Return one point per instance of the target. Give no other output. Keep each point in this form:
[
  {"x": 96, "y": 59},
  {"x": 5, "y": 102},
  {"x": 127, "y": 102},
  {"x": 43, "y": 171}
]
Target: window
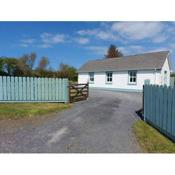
[
  {"x": 91, "y": 77},
  {"x": 132, "y": 77},
  {"x": 108, "y": 77}
]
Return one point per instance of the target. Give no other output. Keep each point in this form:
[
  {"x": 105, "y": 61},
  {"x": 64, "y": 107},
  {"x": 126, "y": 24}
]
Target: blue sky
[{"x": 75, "y": 43}]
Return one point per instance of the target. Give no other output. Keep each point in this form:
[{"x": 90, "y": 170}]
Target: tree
[
  {"x": 66, "y": 71},
  {"x": 1, "y": 66},
  {"x": 42, "y": 69},
  {"x": 31, "y": 60},
  {"x": 26, "y": 63},
  {"x": 113, "y": 52},
  {"x": 8, "y": 66},
  {"x": 24, "y": 66},
  {"x": 43, "y": 64}
]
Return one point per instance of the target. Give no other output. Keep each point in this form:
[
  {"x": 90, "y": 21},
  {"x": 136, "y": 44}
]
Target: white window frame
[
  {"x": 91, "y": 75},
  {"x": 131, "y": 76},
  {"x": 109, "y": 77}
]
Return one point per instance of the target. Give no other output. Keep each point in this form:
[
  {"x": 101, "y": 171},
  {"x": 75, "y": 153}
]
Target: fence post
[
  {"x": 68, "y": 91},
  {"x": 143, "y": 103},
  {"x": 87, "y": 90}
]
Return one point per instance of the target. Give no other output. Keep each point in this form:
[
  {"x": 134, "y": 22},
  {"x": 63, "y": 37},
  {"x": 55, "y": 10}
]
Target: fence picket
[
  {"x": 35, "y": 89},
  {"x": 157, "y": 105},
  {"x": 16, "y": 89},
  {"x": 4, "y": 89},
  {"x": 28, "y": 88},
  {"x": 53, "y": 89},
  {"x": 12, "y": 88},
  {"x": 43, "y": 89},
  {"x": 46, "y": 89},
  {"x": 57, "y": 94},
  {"x": 20, "y": 89},
  {"x": 31, "y": 89},
  {"x": 169, "y": 106},
  {"x": 1, "y": 89},
  {"x": 50, "y": 89},
  {"x": 8, "y": 89},
  {"x": 59, "y": 86},
  {"x": 173, "y": 112}
]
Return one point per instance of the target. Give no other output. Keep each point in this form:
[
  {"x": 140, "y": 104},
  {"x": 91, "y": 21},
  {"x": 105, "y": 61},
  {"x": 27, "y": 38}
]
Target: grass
[
  {"x": 151, "y": 140},
  {"x": 21, "y": 110}
]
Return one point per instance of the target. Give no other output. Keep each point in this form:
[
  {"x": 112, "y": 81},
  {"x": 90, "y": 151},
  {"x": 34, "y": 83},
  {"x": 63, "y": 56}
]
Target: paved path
[{"x": 100, "y": 125}]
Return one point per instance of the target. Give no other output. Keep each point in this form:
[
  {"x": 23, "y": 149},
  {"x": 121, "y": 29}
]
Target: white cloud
[
  {"x": 126, "y": 50},
  {"x": 106, "y": 35},
  {"x": 140, "y": 30},
  {"x": 44, "y": 45},
  {"x": 172, "y": 45},
  {"x": 99, "y": 33},
  {"x": 159, "y": 39},
  {"x": 23, "y": 45},
  {"x": 52, "y": 38},
  {"x": 128, "y": 30},
  {"x": 158, "y": 49},
  {"x": 87, "y": 32},
  {"x": 82, "y": 40},
  {"x": 100, "y": 50},
  {"x": 26, "y": 42},
  {"x": 131, "y": 49}
]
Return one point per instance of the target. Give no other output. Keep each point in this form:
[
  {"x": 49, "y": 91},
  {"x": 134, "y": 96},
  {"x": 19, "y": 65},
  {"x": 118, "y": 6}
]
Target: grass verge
[
  {"x": 151, "y": 140},
  {"x": 21, "y": 110}
]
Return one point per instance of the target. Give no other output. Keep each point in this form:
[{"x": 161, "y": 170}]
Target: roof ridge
[{"x": 134, "y": 55}]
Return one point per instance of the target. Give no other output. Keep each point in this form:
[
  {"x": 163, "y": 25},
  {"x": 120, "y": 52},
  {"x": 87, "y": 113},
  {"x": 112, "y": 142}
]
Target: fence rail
[
  {"x": 159, "y": 108},
  {"x": 32, "y": 89}
]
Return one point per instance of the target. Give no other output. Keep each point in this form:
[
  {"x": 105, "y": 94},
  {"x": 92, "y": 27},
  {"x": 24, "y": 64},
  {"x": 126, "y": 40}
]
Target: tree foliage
[
  {"x": 25, "y": 66},
  {"x": 67, "y": 71},
  {"x": 113, "y": 52},
  {"x": 173, "y": 75},
  {"x": 43, "y": 64}
]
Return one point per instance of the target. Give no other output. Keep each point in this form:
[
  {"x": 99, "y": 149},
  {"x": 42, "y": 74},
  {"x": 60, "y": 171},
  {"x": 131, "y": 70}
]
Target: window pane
[
  {"x": 91, "y": 76},
  {"x": 109, "y": 76},
  {"x": 132, "y": 76}
]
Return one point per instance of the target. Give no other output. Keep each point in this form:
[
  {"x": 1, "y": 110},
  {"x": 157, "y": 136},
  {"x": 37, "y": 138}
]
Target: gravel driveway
[{"x": 102, "y": 124}]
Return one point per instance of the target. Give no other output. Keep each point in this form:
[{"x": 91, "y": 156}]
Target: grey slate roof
[{"x": 144, "y": 61}]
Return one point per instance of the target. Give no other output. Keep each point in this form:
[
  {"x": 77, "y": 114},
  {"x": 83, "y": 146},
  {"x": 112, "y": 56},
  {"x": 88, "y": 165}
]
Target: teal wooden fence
[
  {"x": 159, "y": 108},
  {"x": 31, "y": 89}
]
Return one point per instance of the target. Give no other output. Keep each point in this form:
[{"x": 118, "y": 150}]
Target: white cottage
[{"x": 128, "y": 73}]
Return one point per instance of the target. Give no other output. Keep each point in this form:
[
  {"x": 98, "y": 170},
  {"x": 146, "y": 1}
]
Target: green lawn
[
  {"x": 151, "y": 140},
  {"x": 20, "y": 110}
]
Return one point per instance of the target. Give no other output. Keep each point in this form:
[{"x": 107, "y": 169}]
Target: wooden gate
[{"x": 78, "y": 92}]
